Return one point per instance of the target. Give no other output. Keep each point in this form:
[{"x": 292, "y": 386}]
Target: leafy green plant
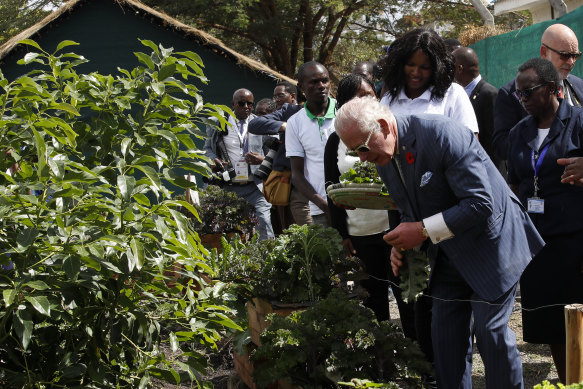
[
  {"x": 220, "y": 211},
  {"x": 89, "y": 223},
  {"x": 303, "y": 264},
  {"x": 333, "y": 341},
  {"x": 363, "y": 173},
  {"x": 548, "y": 385},
  {"x": 414, "y": 274}
]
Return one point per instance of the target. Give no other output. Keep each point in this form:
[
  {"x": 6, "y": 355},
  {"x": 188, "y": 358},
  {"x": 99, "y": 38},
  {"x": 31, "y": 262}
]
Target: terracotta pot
[
  {"x": 213, "y": 241},
  {"x": 259, "y": 308}
]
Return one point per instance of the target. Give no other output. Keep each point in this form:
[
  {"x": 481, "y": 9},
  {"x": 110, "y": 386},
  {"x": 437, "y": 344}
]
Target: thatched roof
[{"x": 195, "y": 34}]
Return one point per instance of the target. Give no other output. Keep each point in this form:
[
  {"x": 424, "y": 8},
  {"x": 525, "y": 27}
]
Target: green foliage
[
  {"x": 220, "y": 211},
  {"x": 303, "y": 264},
  {"x": 17, "y": 15},
  {"x": 363, "y": 173},
  {"x": 336, "y": 340},
  {"x": 88, "y": 219},
  {"x": 414, "y": 274},
  {"x": 548, "y": 385}
]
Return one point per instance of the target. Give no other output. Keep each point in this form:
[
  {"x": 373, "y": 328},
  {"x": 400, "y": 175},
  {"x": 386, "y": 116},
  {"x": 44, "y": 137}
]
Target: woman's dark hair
[
  {"x": 348, "y": 88},
  {"x": 426, "y": 40},
  {"x": 543, "y": 68}
]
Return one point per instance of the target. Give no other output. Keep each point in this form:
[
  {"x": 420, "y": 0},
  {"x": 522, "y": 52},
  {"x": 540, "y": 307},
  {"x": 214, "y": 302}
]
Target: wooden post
[{"x": 574, "y": 327}]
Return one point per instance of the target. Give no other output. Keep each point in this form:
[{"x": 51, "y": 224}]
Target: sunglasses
[
  {"x": 519, "y": 94},
  {"x": 363, "y": 148},
  {"x": 244, "y": 103},
  {"x": 565, "y": 55}
]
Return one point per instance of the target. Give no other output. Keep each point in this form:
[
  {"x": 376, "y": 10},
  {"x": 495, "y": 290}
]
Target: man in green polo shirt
[{"x": 306, "y": 134}]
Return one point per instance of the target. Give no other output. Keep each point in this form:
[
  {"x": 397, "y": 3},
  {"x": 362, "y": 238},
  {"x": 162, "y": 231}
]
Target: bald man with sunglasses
[{"x": 559, "y": 45}]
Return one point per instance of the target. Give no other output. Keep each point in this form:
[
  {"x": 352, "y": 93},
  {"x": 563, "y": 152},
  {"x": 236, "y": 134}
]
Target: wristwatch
[{"x": 424, "y": 230}]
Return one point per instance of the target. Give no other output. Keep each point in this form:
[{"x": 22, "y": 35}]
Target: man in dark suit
[
  {"x": 479, "y": 237},
  {"x": 559, "y": 45},
  {"x": 482, "y": 95}
]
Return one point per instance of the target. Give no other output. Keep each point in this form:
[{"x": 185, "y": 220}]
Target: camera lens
[{"x": 265, "y": 168}]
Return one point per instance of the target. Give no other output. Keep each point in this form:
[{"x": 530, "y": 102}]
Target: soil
[{"x": 537, "y": 363}]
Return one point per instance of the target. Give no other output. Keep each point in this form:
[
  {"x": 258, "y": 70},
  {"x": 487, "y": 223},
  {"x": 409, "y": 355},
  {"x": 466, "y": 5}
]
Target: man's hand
[
  {"x": 573, "y": 173},
  {"x": 406, "y": 236},
  {"x": 217, "y": 165},
  {"x": 396, "y": 261},
  {"x": 348, "y": 247},
  {"x": 253, "y": 158}
]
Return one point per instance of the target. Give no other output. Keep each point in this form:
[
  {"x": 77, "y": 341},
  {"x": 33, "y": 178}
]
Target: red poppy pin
[{"x": 410, "y": 158}]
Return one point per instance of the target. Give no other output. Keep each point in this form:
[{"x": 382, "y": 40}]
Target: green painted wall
[{"x": 108, "y": 35}]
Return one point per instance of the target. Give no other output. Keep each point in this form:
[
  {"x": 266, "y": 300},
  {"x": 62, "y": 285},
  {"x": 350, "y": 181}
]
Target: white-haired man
[{"x": 479, "y": 239}]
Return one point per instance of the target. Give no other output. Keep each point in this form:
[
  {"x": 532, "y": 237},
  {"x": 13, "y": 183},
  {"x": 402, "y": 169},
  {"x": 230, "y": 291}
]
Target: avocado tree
[{"x": 88, "y": 223}]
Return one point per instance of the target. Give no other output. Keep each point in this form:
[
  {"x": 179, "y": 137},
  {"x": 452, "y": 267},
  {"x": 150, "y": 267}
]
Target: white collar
[{"x": 424, "y": 96}]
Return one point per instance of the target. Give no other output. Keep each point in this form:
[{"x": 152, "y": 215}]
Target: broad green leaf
[
  {"x": 126, "y": 186},
  {"x": 65, "y": 43},
  {"x": 158, "y": 88},
  {"x": 41, "y": 154},
  {"x": 72, "y": 267},
  {"x": 142, "y": 199},
  {"x": 166, "y": 72},
  {"x": 152, "y": 175},
  {"x": 173, "y": 342},
  {"x": 146, "y": 60},
  {"x": 138, "y": 253},
  {"x": 90, "y": 262},
  {"x": 37, "y": 284},
  {"x": 23, "y": 326},
  {"x": 25, "y": 238},
  {"x": 125, "y": 144},
  {"x": 30, "y": 42},
  {"x": 66, "y": 107},
  {"x": 150, "y": 44},
  {"x": 40, "y": 303},
  {"x": 193, "y": 56},
  {"x": 9, "y": 295},
  {"x": 29, "y": 57}
]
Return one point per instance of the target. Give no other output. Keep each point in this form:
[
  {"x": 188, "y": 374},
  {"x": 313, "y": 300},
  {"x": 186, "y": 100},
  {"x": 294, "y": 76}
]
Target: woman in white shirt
[{"x": 418, "y": 78}]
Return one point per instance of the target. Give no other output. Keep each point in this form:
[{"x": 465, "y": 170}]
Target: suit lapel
[{"x": 407, "y": 160}]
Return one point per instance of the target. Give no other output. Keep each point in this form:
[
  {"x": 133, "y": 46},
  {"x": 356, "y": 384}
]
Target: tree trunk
[
  {"x": 559, "y": 6},
  {"x": 484, "y": 13}
]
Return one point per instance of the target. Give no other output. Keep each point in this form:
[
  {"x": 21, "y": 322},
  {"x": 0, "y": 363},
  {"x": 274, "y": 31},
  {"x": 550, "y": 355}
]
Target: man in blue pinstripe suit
[{"x": 479, "y": 237}]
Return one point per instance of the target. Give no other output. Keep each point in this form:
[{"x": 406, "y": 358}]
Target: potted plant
[
  {"x": 300, "y": 267},
  {"x": 335, "y": 340},
  {"x": 221, "y": 212}
]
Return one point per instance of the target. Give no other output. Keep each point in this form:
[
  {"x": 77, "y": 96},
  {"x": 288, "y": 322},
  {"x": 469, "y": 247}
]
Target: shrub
[
  {"x": 335, "y": 340},
  {"x": 88, "y": 220}
]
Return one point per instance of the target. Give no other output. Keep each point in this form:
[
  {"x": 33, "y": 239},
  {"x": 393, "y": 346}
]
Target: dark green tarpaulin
[{"x": 501, "y": 55}]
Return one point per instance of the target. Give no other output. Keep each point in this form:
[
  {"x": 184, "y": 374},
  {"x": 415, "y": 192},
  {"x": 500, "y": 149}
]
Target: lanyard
[
  {"x": 536, "y": 162},
  {"x": 242, "y": 137}
]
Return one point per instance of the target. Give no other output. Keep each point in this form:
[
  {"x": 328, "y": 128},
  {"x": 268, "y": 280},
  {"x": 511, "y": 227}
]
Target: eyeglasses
[
  {"x": 363, "y": 148},
  {"x": 519, "y": 94},
  {"x": 280, "y": 95},
  {"x": 565, "y": 55},
  {"x": 244, "y": 103}
]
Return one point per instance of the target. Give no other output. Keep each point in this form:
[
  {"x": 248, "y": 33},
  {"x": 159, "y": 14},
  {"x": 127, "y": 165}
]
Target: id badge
[
  {"x": 536, "y": 205},
  {"x": 241, "y": 171}
]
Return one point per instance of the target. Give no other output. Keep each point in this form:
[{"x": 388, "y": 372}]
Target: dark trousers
[
  {"x": 375, "y": 254},
  {"x": 454, "y": 304}
]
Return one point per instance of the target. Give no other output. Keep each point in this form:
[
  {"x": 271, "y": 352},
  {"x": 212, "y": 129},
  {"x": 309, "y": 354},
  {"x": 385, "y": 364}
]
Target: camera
[
  {"x": 266, "y": 166},
  {"x": 264, "y": 169}
]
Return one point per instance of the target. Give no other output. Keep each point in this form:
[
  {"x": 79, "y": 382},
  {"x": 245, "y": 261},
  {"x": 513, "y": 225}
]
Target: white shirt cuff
[{"x": 437, "y": 229}]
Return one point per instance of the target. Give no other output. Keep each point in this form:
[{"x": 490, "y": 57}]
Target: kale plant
[{"x": 336, "y": 340}]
